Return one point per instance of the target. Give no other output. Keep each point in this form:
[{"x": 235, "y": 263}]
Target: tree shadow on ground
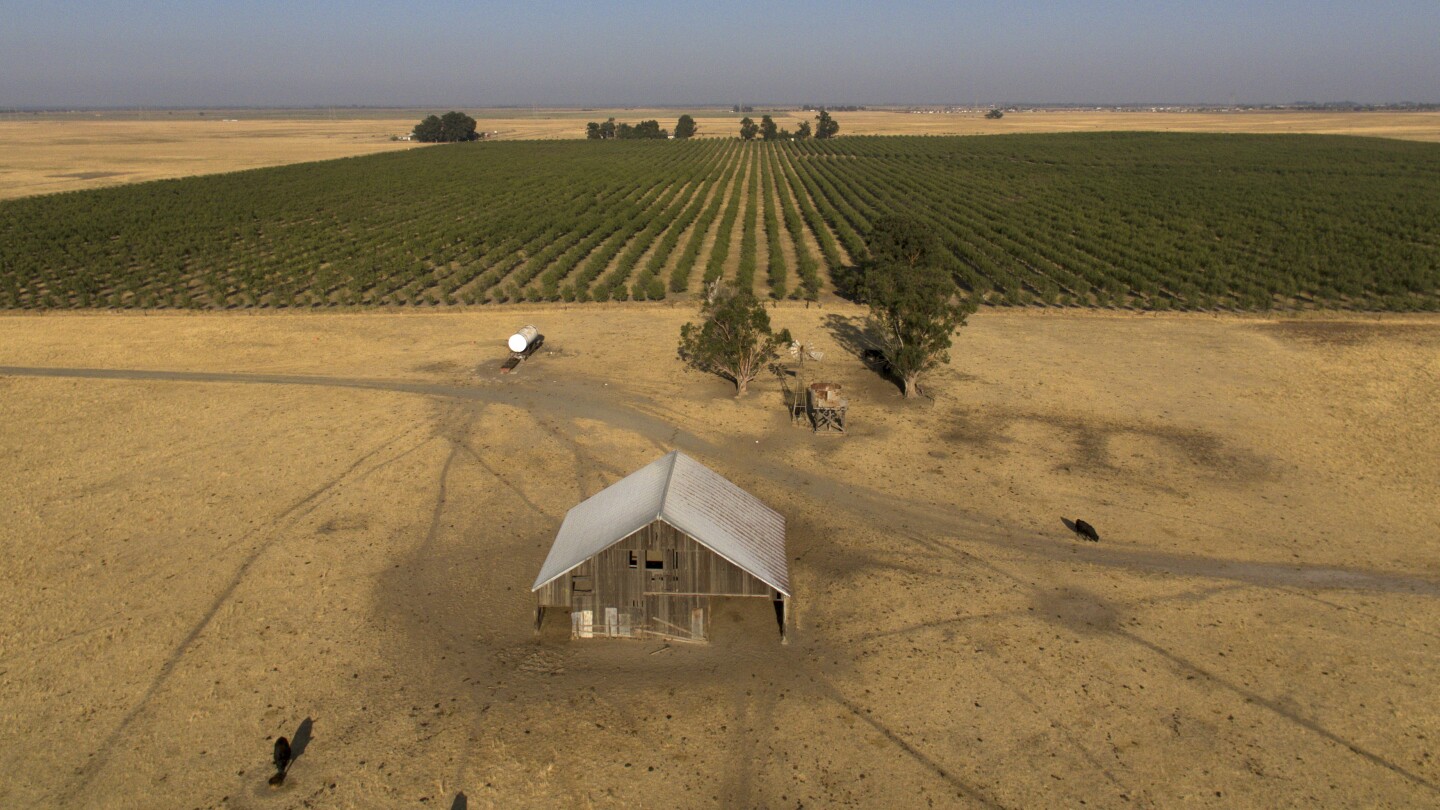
[{"x": 858, "y": 337}]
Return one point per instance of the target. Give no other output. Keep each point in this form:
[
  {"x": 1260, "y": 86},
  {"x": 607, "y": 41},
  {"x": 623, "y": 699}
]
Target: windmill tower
[{"x": 796, "y": 382}]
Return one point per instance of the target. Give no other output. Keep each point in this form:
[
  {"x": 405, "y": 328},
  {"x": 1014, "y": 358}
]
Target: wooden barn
[{"x": 644, "y": 557}]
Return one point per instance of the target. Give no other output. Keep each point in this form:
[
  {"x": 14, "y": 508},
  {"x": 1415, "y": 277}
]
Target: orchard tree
[
  {"x": 748, "y": 129},
  {"x": 896, "y": 239},
  {"x": 914, "y": 303},
  {"x": 768, "y": 130},
  {"x": 733, "y": 338},
  {"x": 825, "y": 126},
  {"x": 685, "y": 127},
  {"x": 592, "y": 131}
]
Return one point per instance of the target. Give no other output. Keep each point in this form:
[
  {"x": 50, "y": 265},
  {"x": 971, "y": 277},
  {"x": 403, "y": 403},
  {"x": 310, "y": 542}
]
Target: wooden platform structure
[
  {"x": 516, "y": 358},
  {"x": 827, "y": 409},
  {"x": 818, "y": 406}
]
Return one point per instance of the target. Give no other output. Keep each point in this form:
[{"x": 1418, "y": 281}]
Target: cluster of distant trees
[
  {"x": 448, "y": 128},
  {"x": 596, "y": 131},
  {"x": 766, "y": 130},
  {"x": 995, "y": 114},
  {"x": 840, "y": 108},
  {"x": 825, "y": 127}
]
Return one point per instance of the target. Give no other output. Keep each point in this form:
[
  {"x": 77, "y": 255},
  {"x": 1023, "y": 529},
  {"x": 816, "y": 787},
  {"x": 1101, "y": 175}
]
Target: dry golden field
[
  {"x": 44, "y": 154},
  {"x": 1405, "y": 126},
  {"x": 219, "y": 526},
  {"x": 41, "y": 156}
]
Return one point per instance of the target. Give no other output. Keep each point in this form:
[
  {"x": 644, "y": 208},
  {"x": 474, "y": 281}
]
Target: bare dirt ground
[
  {"x": 41, "y": 154},
  {"x": 218, "y": 527}
]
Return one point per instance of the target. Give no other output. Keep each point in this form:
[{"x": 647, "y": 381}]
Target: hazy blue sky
[{"x": 473, "y": 53}]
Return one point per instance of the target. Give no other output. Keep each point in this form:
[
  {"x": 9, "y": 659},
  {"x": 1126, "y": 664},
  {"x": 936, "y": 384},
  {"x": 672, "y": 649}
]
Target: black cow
[
  {"x": 1086, "y": 531},
  {"x": 875, "y": 359},
  {"x": 282, "y": 760}
]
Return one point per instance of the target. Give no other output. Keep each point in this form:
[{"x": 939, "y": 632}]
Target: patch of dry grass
[
  {"x": 339, "y": 516},
  {"x": 44, "y": 154}
]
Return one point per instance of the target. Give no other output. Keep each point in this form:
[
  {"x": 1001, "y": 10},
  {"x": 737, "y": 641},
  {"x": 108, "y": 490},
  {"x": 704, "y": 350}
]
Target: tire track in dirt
[
  {"x": 1248, "y": 695},
  {"x": 962, "y": 787},
  {"x": 598, "y": 403},
  {"x": 97, "y": 762},
  {"x": 505, "y": 481},
  {"x": 924, "y": 519}
]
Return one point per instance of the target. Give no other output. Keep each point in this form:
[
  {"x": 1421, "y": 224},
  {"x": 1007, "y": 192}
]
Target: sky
[{"x": 85, "y": 53}]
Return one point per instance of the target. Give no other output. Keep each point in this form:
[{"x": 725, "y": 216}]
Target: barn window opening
[
  {"x": 655, "y": 560},
  {"x": 634, "y": 559},
  {"x": 581, "y": 583}
]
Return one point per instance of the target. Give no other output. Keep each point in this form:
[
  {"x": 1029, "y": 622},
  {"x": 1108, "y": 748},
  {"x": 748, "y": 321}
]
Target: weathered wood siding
[
  {"x": 655, "y": 581},
  {"x": 691, "y": 568}
]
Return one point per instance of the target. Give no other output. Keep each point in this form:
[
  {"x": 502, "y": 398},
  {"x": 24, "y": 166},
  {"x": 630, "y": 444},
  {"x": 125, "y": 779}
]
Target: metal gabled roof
[{"x": 687, "y": 495}]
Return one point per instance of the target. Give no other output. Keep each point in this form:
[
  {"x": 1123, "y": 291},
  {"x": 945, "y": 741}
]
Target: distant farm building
[{"x": 645, "y": 556}]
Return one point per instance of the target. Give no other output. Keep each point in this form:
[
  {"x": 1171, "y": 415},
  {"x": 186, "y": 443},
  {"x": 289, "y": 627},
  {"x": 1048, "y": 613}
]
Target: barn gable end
[{"x": 644, "y": 556}]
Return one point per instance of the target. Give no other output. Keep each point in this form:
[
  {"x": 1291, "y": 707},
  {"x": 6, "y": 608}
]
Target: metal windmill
[{"x": 801, "y": 352}]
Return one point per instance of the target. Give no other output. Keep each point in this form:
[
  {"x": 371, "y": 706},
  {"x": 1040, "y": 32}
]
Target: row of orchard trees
[{"x": 1147, "y": 220}]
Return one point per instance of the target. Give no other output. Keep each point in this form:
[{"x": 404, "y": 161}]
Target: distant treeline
[
  {"x": 645, "y": 130},
  {"x": 1151, "y": 221}
]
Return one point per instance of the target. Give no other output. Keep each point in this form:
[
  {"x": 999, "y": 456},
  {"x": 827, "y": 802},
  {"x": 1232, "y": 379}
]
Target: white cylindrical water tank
[{"x": 521, "y": 340}]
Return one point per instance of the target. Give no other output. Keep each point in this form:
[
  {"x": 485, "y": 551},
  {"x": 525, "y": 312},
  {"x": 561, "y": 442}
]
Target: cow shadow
[{"x": 301, "y": 739}]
